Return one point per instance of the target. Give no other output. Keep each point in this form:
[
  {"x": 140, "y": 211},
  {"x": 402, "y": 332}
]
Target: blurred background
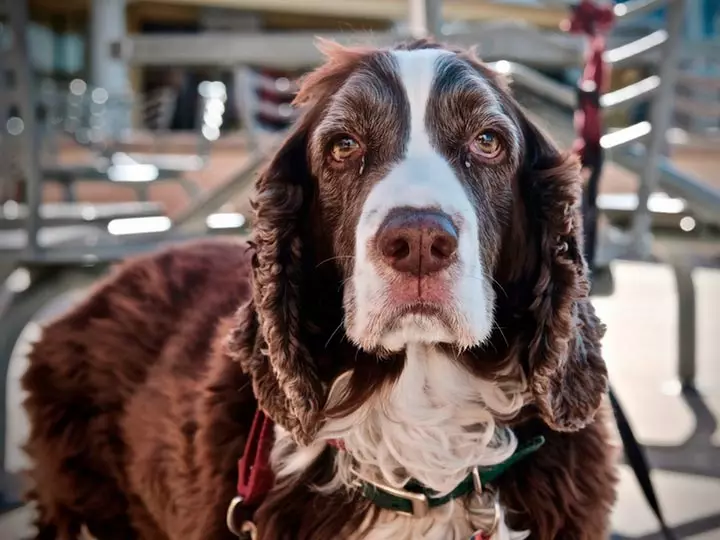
[{"x": 130, "y": 124}]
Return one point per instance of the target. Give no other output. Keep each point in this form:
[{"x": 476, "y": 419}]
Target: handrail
[
  {"x": 703, "y": 199},
  {"x": 547, "y": 88},
  {"x": 636, "y": 8},
  {"x": 636, "y": 48},
  {"x": 630, "y": 94},
  {"x": 565, "y": 95}
]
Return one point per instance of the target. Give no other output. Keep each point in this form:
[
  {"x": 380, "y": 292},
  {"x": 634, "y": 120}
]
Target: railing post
[
  {"x": 425, "y": 18},
  {"x": 23, "y": 95},
  {"x": 661, "y": 117}
]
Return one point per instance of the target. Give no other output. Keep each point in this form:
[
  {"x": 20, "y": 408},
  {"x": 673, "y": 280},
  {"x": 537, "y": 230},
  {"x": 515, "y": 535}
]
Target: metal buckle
[
  {"x": 477, "y": 482},
  {"x": 480, "y": 491},
  {"x": 419, "y": 502},
  {"x": 247, "y": 529}
]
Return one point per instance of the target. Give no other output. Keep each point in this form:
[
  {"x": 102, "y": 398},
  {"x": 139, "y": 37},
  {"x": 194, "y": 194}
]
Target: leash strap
[
  {"x": 594, "y": 22},
  {"x": 255, "y": 476},
  {"x": 638, "y": 462}
]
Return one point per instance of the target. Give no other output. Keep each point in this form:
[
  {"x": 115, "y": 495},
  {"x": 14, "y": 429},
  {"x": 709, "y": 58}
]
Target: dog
[{"x": 404, "y": 349}]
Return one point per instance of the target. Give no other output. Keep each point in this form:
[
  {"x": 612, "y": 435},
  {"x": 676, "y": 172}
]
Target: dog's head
[{"x": 414, "y": 201}]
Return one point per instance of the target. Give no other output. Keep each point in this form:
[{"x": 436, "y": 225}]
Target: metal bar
[
  {"x": 629, "y": 135},
  {"x": 425, "y": 18},
  {"x": 661, "y": 119},
  {"x": 630, "y": 94},
  {"x": 194, "y": 218},
  {"x": 394, "y": 10},
  {"x": 686, "y": 324},
  {"x": 702, "y": 198},
  {"x": 634, "y": 49},
  {"x": 564, "y": 95},
  {"x": 636, "y": 8},
  {"x": 544, "y": 86},
  {"x": 297, "y": 50},
  {"x": 26, "y": 94}
]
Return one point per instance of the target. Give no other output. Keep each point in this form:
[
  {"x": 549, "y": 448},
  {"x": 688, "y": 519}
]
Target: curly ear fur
[
  {"x": 568, "y": 376},
  {"x": 273, "y": 332},
  {"x": 270, "y": 332}
]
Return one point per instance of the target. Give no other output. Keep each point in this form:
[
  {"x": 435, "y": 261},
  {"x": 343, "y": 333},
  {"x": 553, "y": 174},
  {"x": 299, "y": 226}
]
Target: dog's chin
[
  {"x": 393, "y": 329},
  {"x": 415, "y": 328}
]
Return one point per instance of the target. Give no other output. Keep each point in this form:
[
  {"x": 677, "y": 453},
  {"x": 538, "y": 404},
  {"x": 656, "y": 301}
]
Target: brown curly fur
[{"x": 141, "y": 398}]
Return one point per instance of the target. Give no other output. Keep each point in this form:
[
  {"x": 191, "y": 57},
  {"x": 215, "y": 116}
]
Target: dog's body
[{"x": 141, "y": 399}]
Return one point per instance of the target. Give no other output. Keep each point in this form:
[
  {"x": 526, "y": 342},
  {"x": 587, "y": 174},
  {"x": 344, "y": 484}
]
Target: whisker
[
  {"x": 334, "y": 332},
  {"x": 336, "y": 258},
  {"x": 502, "y": 334},
  {"x": 496, "y": 282}
]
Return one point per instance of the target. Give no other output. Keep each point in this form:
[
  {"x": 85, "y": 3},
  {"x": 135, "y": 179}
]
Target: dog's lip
[{"x": 418, "y": 307}]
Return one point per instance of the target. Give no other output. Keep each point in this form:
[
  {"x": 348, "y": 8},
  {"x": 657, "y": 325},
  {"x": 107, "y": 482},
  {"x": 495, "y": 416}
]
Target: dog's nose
[{"x": 417, "y": 242}]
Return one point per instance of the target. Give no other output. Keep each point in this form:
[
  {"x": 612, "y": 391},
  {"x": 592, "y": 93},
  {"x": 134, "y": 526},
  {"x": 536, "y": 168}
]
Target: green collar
[{"x": 415, "y": 499}]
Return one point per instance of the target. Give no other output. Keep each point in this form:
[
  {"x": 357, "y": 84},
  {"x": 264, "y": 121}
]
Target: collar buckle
[
  {"x": 477, "y": 481},
  {"x": 418, "y": 501}
]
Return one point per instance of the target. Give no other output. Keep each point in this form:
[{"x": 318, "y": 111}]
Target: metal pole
[
  {"x": 425, "y": 18},
  {"x": 661, "y": 117},
  {"x": 686, "y": 323},
  {"x": 24, "y": 96}
]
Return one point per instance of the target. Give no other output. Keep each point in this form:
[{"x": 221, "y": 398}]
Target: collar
[
  {"x": 256, "y": 478},
  {"x": 416, "y": 500}
]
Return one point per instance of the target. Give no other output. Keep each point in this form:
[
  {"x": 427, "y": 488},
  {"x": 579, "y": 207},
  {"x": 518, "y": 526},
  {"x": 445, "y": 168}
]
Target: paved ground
[{"x": 682, "y": 433}]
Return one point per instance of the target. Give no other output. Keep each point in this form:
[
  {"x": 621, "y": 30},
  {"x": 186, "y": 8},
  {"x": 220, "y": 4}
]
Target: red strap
[
  {"x": 255, "y": 476},
  {"x": 590, "y": 19},
  {"x": 595, "y": 22}
]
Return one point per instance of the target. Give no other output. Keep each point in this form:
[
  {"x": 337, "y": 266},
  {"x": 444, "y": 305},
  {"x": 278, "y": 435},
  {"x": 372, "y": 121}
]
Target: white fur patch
[
  {"x": 433, "y": 424},
  {"x": 422, "y": 179}
]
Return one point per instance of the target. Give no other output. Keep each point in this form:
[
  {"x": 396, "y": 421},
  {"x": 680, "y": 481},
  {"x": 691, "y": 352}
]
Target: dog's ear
[
  {"x": 270, "y": 334},
  {"x": 567, "y": 374}
]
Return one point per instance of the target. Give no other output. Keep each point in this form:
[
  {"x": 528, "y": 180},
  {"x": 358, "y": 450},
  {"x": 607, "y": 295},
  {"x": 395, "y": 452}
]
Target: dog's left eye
[
  {"x": 487, "y": 144},
  {"x": 344, "y": 148}
]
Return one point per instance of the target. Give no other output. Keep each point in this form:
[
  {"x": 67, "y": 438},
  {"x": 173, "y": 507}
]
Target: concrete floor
[{"x": 681, "y": 432}]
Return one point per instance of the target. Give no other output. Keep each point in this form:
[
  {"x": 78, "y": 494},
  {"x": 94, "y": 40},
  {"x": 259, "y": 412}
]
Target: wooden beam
[
  {"x": 297, "y": 50},
  {"x": 452, "y": 10}
]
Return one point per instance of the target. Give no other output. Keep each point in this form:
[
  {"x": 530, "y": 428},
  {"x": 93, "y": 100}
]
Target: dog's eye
[
  {"x": 344, "y": 148},
  {"x": 487, "y": 144}
]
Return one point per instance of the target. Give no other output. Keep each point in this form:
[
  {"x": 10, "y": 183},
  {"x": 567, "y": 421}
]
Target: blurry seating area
[{"x": 150, "y": 127}]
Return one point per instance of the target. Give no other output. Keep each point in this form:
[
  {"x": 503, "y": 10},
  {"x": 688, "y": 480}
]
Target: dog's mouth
[{"x": 418, "y": 321}]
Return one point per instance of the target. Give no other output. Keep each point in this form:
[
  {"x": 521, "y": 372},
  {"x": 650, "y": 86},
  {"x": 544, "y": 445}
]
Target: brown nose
[{"x": 417, "y": 242}]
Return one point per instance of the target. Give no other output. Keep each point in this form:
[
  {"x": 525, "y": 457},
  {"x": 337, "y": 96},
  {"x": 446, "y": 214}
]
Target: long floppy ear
[
  {"x": 568, "y": 377},
  {"x": 273, "y": 332},
  {"x": 270, "y": 334}
]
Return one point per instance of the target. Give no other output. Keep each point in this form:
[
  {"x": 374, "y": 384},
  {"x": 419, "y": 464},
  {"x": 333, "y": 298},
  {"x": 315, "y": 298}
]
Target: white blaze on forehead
[{"x": 417, "y": 70}]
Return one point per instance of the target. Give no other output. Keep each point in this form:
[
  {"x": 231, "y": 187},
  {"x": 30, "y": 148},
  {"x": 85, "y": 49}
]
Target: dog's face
[
  {"x": 416, "y": 155},
  {"x": 445, "y": 217}
]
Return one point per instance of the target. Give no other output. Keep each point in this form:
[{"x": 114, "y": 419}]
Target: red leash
[
  {"x": 594, "y": 22},
  {"x": 255, "y": 476}
]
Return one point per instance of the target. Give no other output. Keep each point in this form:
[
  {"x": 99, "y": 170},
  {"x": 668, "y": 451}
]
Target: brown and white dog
[{"x": 412, "y": 310}]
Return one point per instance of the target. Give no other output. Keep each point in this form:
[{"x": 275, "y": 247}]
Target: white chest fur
[{"x": 433, "y": 424}]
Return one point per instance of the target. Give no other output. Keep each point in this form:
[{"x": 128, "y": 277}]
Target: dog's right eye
[{"x": 344, "y": 148}]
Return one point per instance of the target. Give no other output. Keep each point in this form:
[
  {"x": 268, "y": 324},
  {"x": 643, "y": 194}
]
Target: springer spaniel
[{"x": 411, "y": 316}]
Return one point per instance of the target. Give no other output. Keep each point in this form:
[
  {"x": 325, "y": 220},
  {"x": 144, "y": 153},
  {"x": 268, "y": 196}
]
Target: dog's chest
[{"x": 434, "y": 425}]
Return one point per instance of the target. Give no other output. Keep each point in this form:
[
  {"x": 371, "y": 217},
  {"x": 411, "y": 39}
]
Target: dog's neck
[{"x": 433, "y": 424}]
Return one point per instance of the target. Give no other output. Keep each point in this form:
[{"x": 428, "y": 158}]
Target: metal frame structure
[{"x": 36, "y": 271}]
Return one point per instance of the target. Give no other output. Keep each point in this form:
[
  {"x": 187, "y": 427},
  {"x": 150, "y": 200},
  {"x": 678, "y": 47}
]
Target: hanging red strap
[
  {"x": 594, "y": 22},
  {"x": 255, "y": 476}
]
